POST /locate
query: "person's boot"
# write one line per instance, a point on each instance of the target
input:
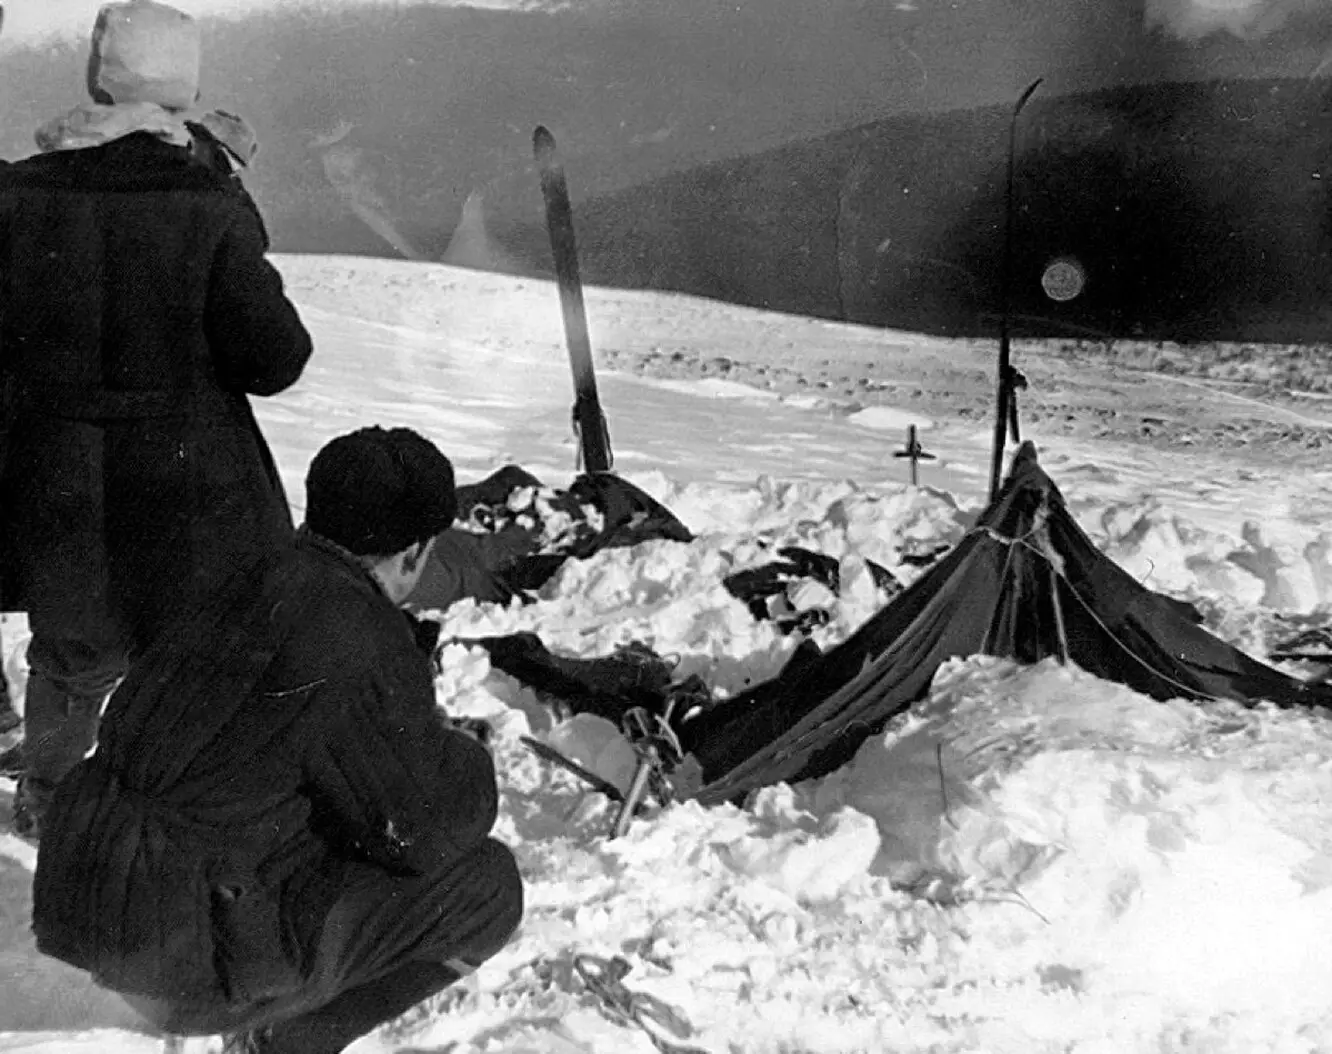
(30, 803)
(338, 1024)
(59, 728)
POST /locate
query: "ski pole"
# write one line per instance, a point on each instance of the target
(1004, 414)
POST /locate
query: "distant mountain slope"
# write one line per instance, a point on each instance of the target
(840, 158)
(1187, 211)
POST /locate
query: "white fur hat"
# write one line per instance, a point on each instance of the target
(144, 51)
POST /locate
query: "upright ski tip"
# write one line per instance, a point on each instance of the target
(1026, 95)
(589, 419)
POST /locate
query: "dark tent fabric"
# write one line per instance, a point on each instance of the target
(1025, 583)
(609, 686)
(500, 551)
(634, 676)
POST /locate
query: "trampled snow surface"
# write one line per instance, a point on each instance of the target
(1033, 860)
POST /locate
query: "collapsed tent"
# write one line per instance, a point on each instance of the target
(635, 677)
(1025, 583)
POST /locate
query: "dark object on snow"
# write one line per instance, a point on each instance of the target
(1025, 583)
(756, 586)
(630, 515)
(503, 551)
(884, 579)
(1309, 645)
(494, 490)
(634, 676)
(922, 556)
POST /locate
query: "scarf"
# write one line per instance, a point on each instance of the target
(94, 124)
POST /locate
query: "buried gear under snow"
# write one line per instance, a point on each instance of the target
(1309, 645)
(632, 677)
(514, 534)
(765, 589)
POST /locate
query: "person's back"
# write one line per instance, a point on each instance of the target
(140, 312)
(131, 339)
(279, 827)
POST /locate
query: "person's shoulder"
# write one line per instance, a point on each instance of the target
(342, 619)
(31, 169)
(134, 163)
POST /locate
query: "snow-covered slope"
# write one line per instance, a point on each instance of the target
(1088, 870)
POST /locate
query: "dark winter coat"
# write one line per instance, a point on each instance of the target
(292, 729)
(136, 314)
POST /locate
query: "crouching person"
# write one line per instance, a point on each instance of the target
(280, 837)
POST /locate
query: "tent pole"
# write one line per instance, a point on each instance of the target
(1004, 385)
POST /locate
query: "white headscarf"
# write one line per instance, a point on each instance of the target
(143, 75)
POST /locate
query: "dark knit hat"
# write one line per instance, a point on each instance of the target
(379, 491)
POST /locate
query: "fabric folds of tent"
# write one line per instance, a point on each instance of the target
(1025, 583)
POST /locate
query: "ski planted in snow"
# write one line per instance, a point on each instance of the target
(589, 420)
(1009, 379)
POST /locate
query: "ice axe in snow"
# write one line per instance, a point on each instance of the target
(589, 420)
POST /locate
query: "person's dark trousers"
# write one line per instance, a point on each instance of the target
(81, 640)
(69, 681)
(388, 943)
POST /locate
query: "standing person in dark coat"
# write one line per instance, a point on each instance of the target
(139, 313)
(280, 835)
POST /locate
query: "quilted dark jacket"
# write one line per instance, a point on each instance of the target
(241, 766)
